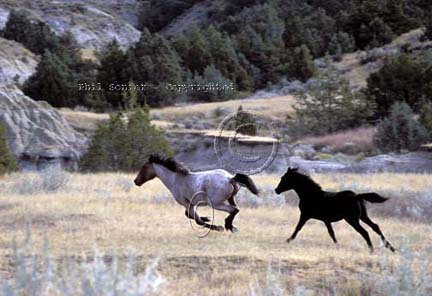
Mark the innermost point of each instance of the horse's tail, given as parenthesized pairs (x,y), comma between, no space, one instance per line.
(245,180)
(372,197)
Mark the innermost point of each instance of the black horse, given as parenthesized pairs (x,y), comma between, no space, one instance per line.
(330,206)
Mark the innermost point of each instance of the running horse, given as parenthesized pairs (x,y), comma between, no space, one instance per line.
(330,207)
(219,188)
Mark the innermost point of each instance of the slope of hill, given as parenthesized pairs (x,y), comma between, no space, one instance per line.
(16,62)
(93,23)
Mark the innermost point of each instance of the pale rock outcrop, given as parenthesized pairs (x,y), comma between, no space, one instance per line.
(37,133)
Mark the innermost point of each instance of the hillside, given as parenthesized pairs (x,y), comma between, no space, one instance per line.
(16,62)
(93,23)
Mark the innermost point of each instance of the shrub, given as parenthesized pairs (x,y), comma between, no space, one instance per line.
(42,275)
(33,34)
(400,131)
(400,79)
(426,117)
(7,160)
(124,143)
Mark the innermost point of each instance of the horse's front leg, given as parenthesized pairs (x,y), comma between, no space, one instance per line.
(233,211)
(300,224)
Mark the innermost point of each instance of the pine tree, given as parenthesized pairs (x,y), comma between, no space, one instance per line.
(245,123)
(7,160)
(33,34)
(400,79)
(330,106)
(156,64)
(112,70)
(302,67)
(124,143)
(52,82)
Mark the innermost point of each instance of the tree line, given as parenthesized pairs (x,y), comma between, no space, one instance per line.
(249,44)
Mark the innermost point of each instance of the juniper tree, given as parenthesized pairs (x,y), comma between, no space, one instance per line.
(7,159)
(400,130)
(330,106)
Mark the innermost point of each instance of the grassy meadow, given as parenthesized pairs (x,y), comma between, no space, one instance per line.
(72,214)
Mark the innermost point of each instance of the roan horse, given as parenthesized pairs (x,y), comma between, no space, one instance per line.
(330,206)
(219,187)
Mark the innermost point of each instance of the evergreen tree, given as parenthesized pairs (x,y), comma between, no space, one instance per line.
(112,70)
(379,33)
(7,160)
(400,131)
(330,106)
(212,86)
(245,123)
(156,64)
(302,67)
(400,79)
(52,82)
(33,34)
(124,143)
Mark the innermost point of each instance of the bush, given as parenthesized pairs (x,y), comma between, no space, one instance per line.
(400,131)
(426,117)
(124,143)
(7,160)
(33,34)
(330,106)
(400,79)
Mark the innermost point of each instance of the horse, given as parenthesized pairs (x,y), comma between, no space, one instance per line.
(330,207)
(219,188)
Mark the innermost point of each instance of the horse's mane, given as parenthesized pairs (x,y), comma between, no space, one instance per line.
(169,163)
(306,181)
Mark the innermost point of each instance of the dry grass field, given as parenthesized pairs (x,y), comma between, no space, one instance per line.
(76,213)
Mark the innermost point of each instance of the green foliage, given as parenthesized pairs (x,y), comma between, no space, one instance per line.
(153,62)
(245,123)
(58,74)
(155,14)
(124,143)
(400,79)
(301,66)
(426,117)
(32,33)
(112,70)
(211,86)
(400,131)
(8,162)
(52,82)
(330,106)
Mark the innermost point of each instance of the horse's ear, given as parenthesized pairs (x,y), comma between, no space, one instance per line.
(295,169)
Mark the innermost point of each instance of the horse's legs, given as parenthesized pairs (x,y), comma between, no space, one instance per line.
(300,224)
(365,218)
(331,231)
(354,222)
(233,211)
(204,219)
(231,201)
(199,221)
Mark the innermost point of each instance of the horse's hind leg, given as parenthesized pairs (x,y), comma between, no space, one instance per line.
(200,222)
(204,219)
(233,211)
(356,225)
(331,231)
(377,229)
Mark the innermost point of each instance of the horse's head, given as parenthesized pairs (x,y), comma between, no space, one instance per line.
(287,181)
(145,174)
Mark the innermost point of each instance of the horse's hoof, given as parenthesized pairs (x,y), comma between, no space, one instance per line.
(234,229)
(205,219)
(288,240)
(220,228)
